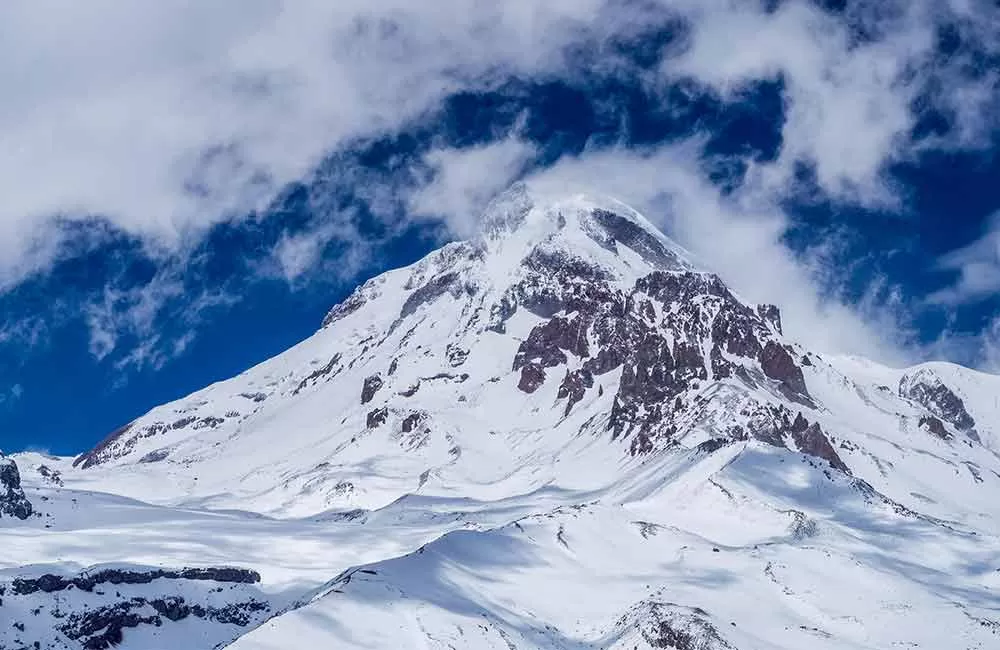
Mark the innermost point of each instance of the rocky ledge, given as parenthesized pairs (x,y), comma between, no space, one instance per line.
(13,502)
(96,609)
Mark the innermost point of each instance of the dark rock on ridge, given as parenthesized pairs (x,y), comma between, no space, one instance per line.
(13,502)
(927,389)
(671,331)
(371,386)
(49,583)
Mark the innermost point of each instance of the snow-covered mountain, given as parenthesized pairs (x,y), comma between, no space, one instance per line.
(560,434)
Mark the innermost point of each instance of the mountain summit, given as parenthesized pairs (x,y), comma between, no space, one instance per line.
(574,310)
(561,433)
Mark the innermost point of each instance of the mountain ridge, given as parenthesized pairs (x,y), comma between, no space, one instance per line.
(541,415)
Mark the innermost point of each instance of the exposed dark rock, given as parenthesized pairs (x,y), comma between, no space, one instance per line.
(625,231)
(371,386)
(532,376)
(13,502)
(155,456)
(101,452)
(183,422)
(93,622)
(172,608)
(670,332)
(574,386)
(103,627)
(713,445)
(51,475)
(674,627)
(547,341)
(926,388)
(560,262)
(49,583)
(456,355)
(122,441)
(377,417)
(778,364)
(254,397)
(430,292)
(772,424)
(411,390)
(810,439)
(771,315)
(353,303)
(412,421)
(314,376)
(934,426)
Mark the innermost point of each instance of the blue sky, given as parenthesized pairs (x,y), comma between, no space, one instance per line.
(184,202)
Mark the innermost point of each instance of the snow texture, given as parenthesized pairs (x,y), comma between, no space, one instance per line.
(560,434)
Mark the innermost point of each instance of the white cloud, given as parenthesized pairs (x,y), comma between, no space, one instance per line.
(738,237)
(848,104)
(977,267)
(464,181)
(299,257)
(167,118)
(131,317)
(989,358)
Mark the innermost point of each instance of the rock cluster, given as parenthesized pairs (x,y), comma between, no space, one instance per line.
(13,502)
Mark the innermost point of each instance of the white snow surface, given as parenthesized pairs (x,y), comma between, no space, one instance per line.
(479,516)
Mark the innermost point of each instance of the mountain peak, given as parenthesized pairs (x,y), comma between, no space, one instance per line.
(524,221)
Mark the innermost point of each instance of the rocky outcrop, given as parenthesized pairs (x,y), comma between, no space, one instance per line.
(617,229)
(437,287)
(328,371)
(49,583)
(810,439)
(658,624)
(672,330)
(777,363)
(371,386)
(376,417)
(51,475)
(925,388)
(107,603)
(123,441)
(103,450)
(358,299)
(13,502)
(412,421)
(934,426)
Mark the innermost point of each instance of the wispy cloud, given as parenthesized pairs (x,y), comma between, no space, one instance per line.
(977,267)
(132,317)
(460,182)
(164,121)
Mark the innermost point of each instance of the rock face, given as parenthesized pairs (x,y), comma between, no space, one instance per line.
(371,386)
(13,503)
(927,389)
(103,608)
(565,416)
(671,331)
(88,581)
(616,305)
(657,624)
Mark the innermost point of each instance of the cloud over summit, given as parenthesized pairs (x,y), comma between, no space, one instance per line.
(165,122)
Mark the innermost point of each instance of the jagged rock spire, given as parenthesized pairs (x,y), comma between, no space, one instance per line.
(13,503)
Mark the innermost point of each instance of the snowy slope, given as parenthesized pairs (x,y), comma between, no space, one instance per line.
(735,566)
(561,434)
